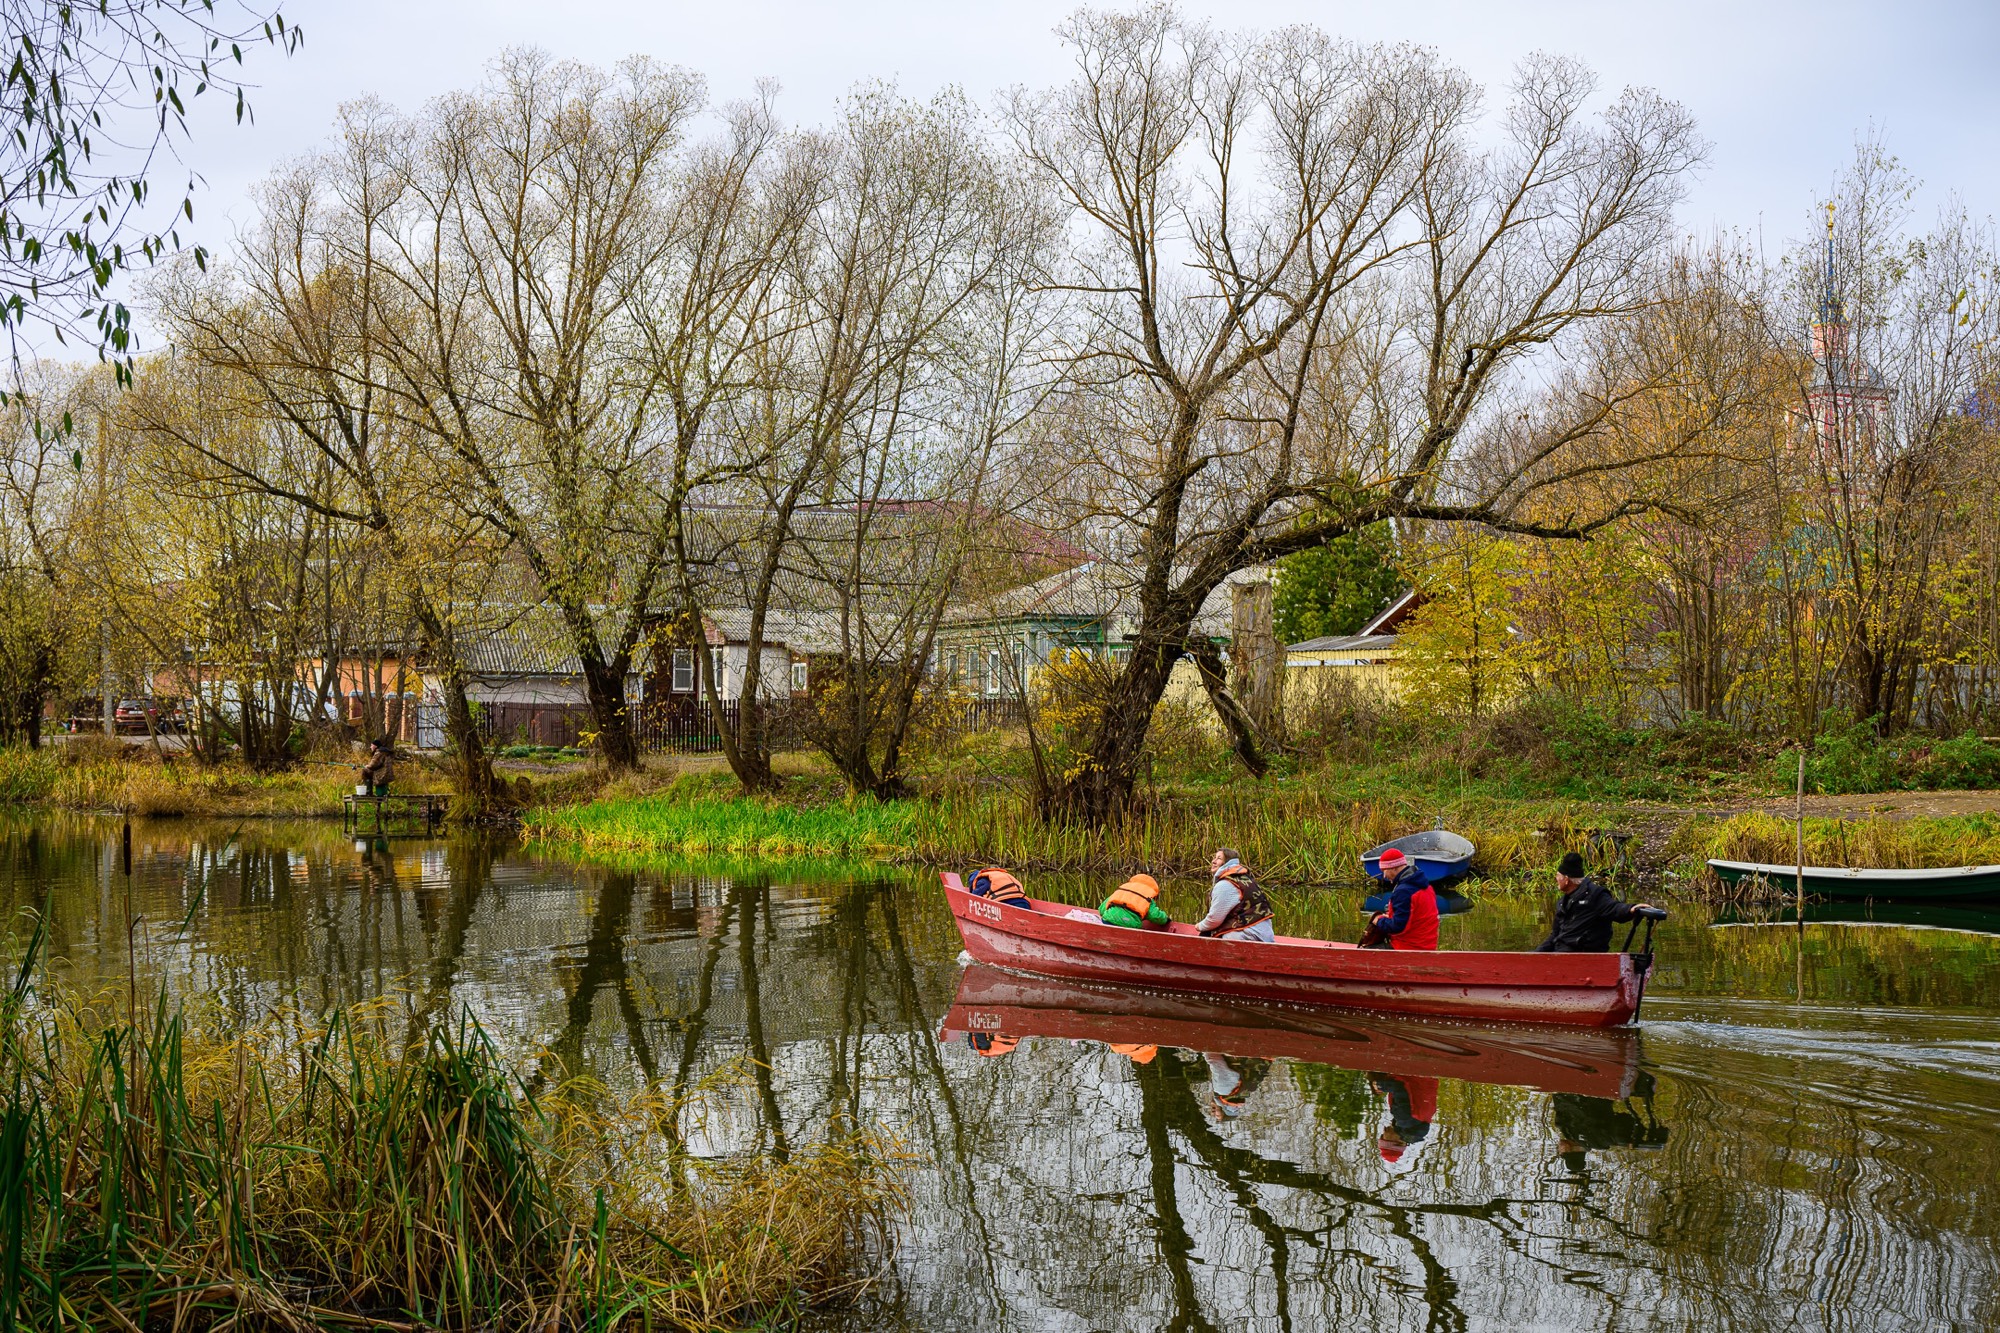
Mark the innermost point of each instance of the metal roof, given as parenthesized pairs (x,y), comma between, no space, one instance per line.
(1100,591)
(1338,643)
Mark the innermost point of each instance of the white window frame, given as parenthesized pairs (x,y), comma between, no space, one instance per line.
(718,662)
(683,669)
(993,671)
(801,678)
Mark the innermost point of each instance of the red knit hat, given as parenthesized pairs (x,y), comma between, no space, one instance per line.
(1393,859)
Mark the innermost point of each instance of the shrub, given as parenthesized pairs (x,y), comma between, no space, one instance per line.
(1339,718)
(1849,761)
(1964,761)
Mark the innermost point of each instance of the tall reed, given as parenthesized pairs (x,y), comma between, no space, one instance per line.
(305,1175)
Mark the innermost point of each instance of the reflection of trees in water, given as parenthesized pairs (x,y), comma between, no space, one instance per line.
(601,963)
(1061,1177)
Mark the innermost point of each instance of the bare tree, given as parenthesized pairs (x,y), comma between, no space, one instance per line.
(1901,336)
(892,371)
(712,329)
(297,327)
(930,283)
(534,209)
(1311,300)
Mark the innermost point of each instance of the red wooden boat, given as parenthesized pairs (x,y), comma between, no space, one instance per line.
(1056,940)
(1590,1062)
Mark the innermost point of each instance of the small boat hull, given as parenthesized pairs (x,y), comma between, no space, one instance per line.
(1585,990)
(1964,884)
(1439,856)
(1587,1062)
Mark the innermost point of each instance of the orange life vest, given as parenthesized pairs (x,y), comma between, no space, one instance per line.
(993,1044)
(1135,903)
(1136,895)
(1001,886)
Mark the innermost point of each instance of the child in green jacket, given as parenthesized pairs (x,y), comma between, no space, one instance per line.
(1135,903)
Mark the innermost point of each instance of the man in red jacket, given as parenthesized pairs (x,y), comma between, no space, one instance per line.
(1410,920)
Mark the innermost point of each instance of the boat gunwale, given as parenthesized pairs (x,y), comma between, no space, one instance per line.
(1862,874)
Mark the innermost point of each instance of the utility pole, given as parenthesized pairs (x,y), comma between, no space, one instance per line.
(109,704)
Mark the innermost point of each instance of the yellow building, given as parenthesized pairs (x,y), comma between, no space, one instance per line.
(1363,663)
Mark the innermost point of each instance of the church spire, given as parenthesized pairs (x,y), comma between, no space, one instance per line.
(1831,310)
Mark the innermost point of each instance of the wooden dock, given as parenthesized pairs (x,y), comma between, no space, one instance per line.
(396,810)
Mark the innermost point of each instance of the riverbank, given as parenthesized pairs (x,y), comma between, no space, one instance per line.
(1295,833)
(96,776)
(156,1171)
(1306,827)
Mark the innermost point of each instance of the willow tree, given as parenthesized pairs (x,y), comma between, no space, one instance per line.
(93,93)
(1314,302)
(51,529)
(535,208)
(295,328)
(916,371)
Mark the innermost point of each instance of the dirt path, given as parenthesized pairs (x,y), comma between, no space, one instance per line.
(1892,804)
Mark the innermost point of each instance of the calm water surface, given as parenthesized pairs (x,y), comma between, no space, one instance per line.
(1806,1134)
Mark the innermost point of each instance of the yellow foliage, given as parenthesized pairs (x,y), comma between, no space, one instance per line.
(1461,653)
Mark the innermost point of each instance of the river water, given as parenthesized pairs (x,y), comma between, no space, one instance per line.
(1805,1134)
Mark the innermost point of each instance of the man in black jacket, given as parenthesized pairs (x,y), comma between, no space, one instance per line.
(1586,912)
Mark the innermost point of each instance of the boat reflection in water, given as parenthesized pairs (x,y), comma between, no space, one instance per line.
(1603,1097)
(1594,1062)
(1969,919)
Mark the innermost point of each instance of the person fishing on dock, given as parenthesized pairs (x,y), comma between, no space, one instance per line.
(1238,909)
(1135,904)
(1409,920)
(1587,911)
(380,768)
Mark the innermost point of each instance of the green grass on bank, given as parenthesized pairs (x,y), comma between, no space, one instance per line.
(1291,832)
(1294,832)
(711,826)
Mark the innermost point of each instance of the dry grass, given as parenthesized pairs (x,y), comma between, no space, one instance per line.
(1913,843)
(89,774)
(317,1175)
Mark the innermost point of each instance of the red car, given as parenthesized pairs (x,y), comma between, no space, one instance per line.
(132,717)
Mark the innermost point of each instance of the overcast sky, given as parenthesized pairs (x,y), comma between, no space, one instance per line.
(1780,88)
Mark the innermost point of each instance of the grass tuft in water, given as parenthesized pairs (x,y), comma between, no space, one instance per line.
(306,1175)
